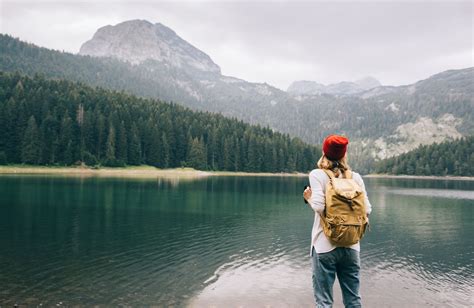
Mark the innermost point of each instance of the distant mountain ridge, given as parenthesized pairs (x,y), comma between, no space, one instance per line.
(137,41)
(306,87)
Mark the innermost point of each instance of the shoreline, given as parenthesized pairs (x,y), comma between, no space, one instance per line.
(152,172)
(420,177)
(132,172)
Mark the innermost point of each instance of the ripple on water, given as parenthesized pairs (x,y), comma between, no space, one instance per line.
(413,281)
(435,193)
(260,283)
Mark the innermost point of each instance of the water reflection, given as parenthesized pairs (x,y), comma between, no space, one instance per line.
(221,241)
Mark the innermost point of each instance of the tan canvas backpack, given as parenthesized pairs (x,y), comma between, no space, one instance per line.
(345,218)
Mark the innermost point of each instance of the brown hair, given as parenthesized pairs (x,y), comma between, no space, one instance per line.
(336,166)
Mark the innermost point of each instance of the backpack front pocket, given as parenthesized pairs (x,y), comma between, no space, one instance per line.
(344,235)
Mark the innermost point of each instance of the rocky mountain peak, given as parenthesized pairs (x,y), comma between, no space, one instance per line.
(306,87)
(136,41)
(368,83)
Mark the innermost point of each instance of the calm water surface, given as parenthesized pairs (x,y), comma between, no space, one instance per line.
(223,241)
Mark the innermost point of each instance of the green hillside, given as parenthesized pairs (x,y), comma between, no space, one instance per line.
(29,59)
(58,122)
(447,158)
(369,116)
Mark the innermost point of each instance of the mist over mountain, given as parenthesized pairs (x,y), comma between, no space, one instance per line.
(183,73)
(305,87)
(151,60)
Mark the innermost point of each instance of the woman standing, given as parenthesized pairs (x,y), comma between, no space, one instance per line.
(329,259)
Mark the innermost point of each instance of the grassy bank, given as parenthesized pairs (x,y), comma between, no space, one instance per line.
(135,171)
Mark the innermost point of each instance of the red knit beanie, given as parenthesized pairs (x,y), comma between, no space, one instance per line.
(335,147)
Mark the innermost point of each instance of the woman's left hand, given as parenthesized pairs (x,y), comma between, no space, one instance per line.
(307,193)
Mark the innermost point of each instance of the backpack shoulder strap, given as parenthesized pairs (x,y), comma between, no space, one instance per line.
(329,173)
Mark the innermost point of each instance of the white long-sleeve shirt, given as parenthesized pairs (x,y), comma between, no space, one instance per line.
(318,180)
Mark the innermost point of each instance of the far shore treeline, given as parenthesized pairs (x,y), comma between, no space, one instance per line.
(58,122)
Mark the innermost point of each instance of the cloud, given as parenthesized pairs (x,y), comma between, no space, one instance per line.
(276,41)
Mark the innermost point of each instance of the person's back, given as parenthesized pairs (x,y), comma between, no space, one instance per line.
(328,259)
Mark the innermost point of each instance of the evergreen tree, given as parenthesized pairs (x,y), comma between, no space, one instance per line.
(164,152)
(213,149)
(110,158)
(291,163)
(3,158)
(65,140)
(31,146)
(226,155)
(68,156)
(154,157)
(49,135)
(181,146)
(100,135)
(236,152)
(253,157)
(121,147)
(134,148)
(197,154)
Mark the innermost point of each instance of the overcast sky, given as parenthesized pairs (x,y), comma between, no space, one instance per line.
(397,42)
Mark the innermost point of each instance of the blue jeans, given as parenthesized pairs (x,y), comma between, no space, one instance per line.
(345,262)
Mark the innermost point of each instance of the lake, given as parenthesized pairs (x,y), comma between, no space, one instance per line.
(223,242)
